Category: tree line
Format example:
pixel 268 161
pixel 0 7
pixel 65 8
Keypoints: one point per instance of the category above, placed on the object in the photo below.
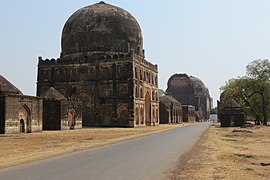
pixel 251 91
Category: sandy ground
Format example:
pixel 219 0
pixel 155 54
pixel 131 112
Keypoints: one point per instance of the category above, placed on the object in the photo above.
pixel 21 148
pixel 228 153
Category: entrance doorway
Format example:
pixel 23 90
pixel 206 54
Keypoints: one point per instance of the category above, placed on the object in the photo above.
pixel 22 126
pixel 147 109
pixel 71 119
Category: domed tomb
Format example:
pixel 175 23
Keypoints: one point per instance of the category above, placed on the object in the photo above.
pixel 101 27
pixel 102 66
pixel 190 90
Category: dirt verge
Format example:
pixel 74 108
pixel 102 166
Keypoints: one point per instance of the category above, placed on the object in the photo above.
pixel 228 153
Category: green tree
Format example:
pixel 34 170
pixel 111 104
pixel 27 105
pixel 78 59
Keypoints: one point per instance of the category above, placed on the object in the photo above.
pixel 260 71
pixel 252 92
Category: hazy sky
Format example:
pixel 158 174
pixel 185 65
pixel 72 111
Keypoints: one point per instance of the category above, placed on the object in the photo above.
pixel 213 40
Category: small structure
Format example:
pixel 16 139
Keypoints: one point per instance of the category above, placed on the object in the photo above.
pixel 189 114
pixel 170 110
pixel 59 113
pixel 231 114
pixel 18 113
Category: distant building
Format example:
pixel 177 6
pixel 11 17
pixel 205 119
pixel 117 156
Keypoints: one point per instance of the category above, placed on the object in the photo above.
pixel 213 118
pixel 18 113
pixel 103 65
pixel 170 110
pixel 189 90
pixel 231 114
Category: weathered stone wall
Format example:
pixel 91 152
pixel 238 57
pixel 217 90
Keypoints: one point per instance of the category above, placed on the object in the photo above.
pixel 23 114
pixel 145 84
pixel 71 115
pixel 106 85
pixel 2 115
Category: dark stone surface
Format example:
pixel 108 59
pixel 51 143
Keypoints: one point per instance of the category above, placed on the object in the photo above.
pixel 101 27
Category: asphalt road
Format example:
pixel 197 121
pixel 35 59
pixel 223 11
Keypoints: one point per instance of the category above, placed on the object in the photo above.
pixel 149 157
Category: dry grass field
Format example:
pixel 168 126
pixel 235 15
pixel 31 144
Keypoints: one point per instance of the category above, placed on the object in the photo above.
pixel 228 153
pixel 21 148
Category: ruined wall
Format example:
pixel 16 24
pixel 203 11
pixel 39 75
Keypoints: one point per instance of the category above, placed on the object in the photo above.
pixel 23 114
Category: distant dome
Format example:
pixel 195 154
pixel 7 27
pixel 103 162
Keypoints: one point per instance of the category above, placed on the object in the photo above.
pixel 101 27
pixel 198 85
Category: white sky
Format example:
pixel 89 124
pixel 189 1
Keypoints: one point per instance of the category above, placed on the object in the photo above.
pixel 212 40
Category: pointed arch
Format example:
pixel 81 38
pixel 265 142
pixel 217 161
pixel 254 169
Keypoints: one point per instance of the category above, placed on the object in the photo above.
pixel 28 119
pixel 87 101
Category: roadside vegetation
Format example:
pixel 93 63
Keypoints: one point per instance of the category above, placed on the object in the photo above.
pixel 251 91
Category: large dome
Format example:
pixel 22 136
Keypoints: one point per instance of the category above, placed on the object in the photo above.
pixel 101 27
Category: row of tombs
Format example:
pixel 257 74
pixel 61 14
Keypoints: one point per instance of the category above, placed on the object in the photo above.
pixel 52 111
pixel 101 78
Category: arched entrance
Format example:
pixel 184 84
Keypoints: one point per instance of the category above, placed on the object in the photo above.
pixel 28 119
pixel 22 126
pixel 71 119
pixel 87 108
pixel 147 109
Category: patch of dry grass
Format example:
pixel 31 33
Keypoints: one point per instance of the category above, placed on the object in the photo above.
pixel 21 148
pixel 229 153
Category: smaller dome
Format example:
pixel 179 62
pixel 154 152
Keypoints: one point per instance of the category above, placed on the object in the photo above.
pixel 7 87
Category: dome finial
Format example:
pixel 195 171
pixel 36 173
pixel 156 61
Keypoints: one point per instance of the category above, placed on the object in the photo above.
pixel 102 2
